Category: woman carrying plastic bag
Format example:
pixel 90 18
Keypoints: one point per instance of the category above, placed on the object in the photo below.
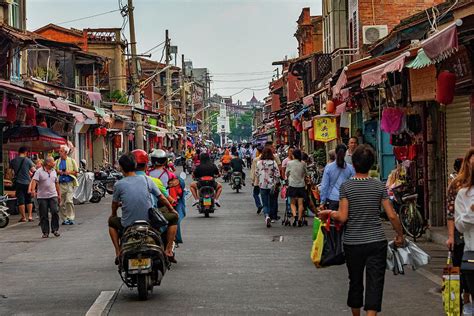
pixel 365 244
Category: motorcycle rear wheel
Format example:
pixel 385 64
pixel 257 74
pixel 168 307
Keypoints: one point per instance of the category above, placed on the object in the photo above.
pixel 237 190
pixel 4 220
pixel 142 286
pixel 206 214
pixel 96 197
pixel 110 188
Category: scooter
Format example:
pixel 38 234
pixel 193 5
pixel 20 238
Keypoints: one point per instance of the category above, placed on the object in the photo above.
pixel 207 195
pixel 4 216
pixel 143 262
pixel 189 166
pixel 236 181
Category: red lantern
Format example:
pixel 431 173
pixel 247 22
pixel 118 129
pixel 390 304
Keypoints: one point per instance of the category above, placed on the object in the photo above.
pixel 445 87
pixel 103 131
pixel 311 134
pixel 97 131
pixel 117 141
pixel 330 107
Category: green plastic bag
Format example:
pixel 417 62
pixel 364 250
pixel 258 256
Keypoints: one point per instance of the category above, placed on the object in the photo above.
pixel 316 226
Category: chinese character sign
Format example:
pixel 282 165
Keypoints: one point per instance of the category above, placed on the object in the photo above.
pixel 325 129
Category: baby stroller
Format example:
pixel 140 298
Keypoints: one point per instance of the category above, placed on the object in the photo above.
pixel 286 221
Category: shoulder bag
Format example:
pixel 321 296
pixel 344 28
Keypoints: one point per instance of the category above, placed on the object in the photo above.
pixel 155 217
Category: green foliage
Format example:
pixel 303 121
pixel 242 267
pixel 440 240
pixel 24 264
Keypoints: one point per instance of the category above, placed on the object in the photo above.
pixel 117 96
pixel 49 75
pixel 319 156
pixel 241 126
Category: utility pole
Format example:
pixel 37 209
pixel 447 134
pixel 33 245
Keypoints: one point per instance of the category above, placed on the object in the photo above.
pixel 183 101
pixel 135 84
pixel 168 83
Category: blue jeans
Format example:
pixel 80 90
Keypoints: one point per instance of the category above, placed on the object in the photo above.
pixel 274 204
pixel 256 196
pixel 265 194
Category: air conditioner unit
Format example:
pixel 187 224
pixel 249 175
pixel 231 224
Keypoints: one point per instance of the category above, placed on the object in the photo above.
pixel 373 33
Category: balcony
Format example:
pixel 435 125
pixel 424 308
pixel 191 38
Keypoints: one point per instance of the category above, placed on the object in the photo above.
pixel 312 70
pixel 342 57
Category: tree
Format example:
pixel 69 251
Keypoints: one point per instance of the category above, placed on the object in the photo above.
pixel 241 126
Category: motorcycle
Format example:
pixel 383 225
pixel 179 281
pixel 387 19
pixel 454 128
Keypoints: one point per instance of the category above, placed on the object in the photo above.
pixel 236 181
pixel 207 195
pixel 143 262
pixel 226 172
pixel 189 166
pixel 4 216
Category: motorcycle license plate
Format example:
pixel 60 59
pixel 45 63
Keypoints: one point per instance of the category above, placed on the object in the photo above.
pixel 139 264
pixel 207 202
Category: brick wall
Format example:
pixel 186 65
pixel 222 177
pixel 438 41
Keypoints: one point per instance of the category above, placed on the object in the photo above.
pixel 390 12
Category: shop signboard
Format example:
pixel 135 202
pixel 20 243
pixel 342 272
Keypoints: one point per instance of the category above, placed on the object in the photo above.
pixel 325 128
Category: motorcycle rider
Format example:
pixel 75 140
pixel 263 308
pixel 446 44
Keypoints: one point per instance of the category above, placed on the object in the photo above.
pixel 237 164
pixel 206 169
pixel 132 193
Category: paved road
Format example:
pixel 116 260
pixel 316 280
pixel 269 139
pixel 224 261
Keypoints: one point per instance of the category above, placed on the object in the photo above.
pixel 229 264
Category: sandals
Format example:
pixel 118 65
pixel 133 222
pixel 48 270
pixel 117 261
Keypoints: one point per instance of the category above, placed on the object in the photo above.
pixel 22 220
pixel 56 234
pixel 45 236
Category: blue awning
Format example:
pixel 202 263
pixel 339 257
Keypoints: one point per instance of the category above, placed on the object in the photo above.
pixel 300 113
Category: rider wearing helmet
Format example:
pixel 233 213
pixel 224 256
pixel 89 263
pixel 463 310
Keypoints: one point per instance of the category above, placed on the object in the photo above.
pixel 159 161
pixel 168 211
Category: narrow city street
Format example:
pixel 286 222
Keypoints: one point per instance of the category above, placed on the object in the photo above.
pixel 229 264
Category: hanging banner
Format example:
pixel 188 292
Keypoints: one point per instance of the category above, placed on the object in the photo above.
pixel 325 129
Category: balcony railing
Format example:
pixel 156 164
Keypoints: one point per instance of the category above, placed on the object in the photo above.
pixel 342 57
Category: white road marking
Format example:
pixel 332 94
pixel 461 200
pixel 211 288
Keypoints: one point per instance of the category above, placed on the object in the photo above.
pixel 430 276
pixel 100 303
pixel 11 226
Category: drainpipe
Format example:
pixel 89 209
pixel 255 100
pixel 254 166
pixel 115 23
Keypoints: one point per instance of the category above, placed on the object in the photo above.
pixel 426 197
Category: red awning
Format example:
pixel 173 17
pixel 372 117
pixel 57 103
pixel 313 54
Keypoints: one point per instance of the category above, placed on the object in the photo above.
pixel 93 96
pixel 89 113
pixel 341 83
pixel 61 105
pixel 78 116
pixel 308 100
pixel 377 74
pixel 441 45
pixel 44 102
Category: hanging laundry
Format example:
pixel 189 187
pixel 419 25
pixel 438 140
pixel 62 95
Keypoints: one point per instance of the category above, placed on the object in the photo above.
pixel 391 120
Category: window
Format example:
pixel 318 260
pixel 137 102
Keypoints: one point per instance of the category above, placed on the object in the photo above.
pixel 15 14
pixel 16 65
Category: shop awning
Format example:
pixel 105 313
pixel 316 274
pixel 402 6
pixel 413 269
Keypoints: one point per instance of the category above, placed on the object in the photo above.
pixel 442 44
pixel 93 96
pixel 300 113
pixel 100 111
pixel 61 105
pixel 90 114
pixel 308 100
pixel 6 85
pixel 44 102
pixel 341 83
pixel 378 74
pixel 78 116
pixel 36 138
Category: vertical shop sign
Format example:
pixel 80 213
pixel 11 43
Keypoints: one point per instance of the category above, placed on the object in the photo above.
pixel 325 129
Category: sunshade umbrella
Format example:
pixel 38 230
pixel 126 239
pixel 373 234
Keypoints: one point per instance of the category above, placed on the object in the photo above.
pixel 36 138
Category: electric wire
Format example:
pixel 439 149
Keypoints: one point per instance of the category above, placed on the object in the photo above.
pixel 89 17
pixel 243 80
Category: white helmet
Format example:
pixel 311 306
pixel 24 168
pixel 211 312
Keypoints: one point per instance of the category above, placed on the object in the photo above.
pixel 158 153
pixel 158 157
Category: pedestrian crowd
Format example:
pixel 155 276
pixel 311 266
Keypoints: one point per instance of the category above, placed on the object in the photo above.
pixel 48 185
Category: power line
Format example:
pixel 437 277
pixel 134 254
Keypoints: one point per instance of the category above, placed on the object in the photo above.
pixel 153 48
pixel 244 80
pixel 241 73
pixel 89 17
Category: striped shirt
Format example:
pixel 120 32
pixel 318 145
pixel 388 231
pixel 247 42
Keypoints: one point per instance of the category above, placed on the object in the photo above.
pixel 365 198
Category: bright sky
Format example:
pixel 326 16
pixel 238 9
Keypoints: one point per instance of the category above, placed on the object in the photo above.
pixel 237 40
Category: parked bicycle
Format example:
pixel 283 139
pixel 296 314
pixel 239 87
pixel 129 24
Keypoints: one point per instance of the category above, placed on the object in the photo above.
pixel 405 203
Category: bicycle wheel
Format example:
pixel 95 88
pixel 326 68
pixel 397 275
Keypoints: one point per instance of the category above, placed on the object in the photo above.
pixel 411 220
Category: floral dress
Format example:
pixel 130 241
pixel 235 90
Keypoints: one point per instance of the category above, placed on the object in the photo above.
pixel 267 174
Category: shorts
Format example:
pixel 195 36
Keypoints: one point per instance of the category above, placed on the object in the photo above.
pixel 207 183
pixel 172 218
pixel 22 195
pixel 116 222
pixel 296 192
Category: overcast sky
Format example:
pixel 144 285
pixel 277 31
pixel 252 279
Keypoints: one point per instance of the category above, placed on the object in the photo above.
pixel 237 40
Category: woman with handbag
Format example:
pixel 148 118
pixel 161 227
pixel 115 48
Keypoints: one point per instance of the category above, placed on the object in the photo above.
pixel 464 221
pixel 267 175
pixel 335 174
pixel 455 242
pixel 365 244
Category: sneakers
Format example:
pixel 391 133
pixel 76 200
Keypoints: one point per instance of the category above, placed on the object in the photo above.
pixel 259 210
pixel 268 221
pixel 217 203
pixel 195 203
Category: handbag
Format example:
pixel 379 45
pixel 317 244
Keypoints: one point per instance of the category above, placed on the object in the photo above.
pixel 155 216
pixel 318 243
pixel 333 250
pixel 16 173
pixel 467 263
